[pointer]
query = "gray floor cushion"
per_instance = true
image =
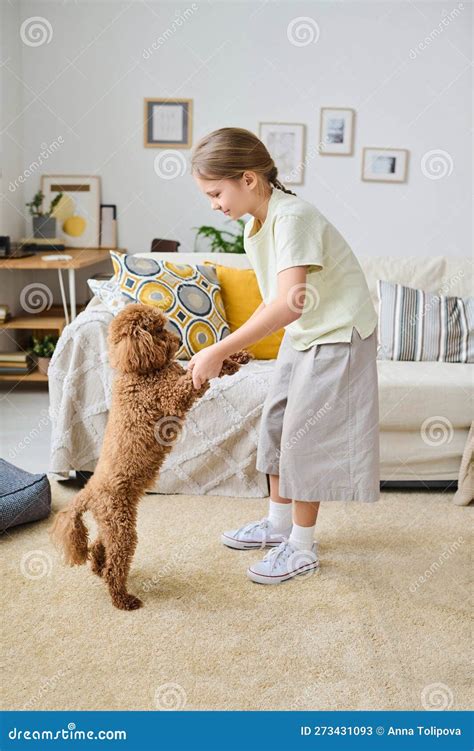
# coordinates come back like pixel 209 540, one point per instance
pixel 24 497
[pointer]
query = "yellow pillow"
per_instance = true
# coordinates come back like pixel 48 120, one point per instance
pixel 241 296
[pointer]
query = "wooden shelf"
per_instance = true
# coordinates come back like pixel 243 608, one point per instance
pixel 48 319
pixel 35 375
pixel 35 322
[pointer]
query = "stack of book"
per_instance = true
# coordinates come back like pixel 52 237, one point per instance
pixel 15 363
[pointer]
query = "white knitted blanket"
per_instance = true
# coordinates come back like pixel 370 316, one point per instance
pixel 217 450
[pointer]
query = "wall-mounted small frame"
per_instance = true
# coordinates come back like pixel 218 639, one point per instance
pixel 384 165
pixel 286 144
pixel 168 123
pixel 336 131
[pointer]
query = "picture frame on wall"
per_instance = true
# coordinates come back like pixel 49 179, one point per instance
pixel 168 123
pixel 384 165
pixel 78 212
pixel 336 131
pixel 286 144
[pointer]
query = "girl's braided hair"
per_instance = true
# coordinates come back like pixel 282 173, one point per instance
pixel 225 154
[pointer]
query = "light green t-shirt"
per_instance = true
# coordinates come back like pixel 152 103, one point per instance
pixel 337 298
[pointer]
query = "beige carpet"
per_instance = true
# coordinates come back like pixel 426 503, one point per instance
pixel 364 633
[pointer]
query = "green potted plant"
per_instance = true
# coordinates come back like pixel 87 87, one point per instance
pixel 222 241
pixel 43 350
pixel 44 223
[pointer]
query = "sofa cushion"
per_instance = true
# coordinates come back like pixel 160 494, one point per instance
pixel 241 297
pixel 189 295
pixel 109 292
pixel 416 394
pixel 24 497
pixel 423 326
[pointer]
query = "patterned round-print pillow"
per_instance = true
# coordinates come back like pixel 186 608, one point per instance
pixel 190 297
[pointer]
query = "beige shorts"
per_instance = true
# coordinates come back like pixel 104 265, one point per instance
pixel 320 422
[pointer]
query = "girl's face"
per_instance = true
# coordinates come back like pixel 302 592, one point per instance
pixel 232 197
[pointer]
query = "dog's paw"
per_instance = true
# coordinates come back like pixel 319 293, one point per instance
pixel 127 602
pixel 242 357
pixel 97 556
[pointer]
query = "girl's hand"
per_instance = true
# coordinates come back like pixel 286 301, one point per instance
pixel 205 364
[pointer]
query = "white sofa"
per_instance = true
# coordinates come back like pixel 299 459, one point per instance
pixel 216 455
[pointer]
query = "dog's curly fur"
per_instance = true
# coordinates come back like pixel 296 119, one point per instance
pixel 151 392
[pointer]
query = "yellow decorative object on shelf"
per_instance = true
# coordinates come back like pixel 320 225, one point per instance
pixel 74 226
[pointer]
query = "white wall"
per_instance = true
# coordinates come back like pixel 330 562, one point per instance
pixel 235 61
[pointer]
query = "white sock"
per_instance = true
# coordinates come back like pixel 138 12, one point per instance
pixel 302 538
pixel 280 515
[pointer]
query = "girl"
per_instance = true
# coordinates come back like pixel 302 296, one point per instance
pixel 319 432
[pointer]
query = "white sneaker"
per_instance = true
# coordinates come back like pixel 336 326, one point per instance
pixel 283 563
pixel 255 535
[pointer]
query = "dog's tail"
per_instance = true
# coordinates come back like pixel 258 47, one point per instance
pixel 69 532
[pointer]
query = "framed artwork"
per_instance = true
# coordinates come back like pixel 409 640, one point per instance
pixel 286 144
pixel 78 211
pixel 168 123
pixel 336 131
pixel 384 165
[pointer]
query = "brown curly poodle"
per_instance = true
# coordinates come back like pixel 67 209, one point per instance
pixel 151 396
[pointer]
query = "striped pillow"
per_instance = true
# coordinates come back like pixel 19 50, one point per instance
pixel 423 326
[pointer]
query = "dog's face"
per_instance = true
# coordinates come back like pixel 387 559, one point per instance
pixel 138 340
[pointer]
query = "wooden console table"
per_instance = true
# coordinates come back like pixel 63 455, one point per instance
pixel 82 258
